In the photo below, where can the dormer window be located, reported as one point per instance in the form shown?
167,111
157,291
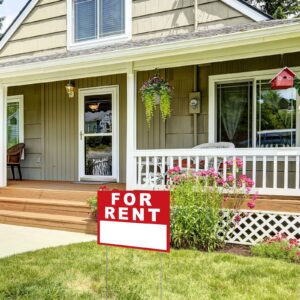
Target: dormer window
98,21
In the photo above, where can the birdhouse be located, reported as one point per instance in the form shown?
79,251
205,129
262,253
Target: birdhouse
283,80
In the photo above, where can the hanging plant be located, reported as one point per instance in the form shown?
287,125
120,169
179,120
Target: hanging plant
156,91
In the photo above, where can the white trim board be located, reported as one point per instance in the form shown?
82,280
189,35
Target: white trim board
245,9
17,22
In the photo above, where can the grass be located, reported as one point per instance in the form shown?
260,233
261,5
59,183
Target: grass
78,272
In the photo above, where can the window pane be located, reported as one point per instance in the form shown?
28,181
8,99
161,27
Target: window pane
85,18
234,113
98,114
276,116
13,124
98,155
112,16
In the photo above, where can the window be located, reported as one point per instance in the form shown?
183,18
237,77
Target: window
98,21
275,116
234,114
266,122
15,123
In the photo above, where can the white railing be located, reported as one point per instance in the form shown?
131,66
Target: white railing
275,171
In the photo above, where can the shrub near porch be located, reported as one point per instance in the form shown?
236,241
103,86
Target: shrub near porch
197,218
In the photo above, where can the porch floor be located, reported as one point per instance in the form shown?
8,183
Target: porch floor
62,185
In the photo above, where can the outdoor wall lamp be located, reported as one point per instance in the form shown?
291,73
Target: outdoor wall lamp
70,89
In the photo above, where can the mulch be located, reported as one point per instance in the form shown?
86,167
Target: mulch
236,249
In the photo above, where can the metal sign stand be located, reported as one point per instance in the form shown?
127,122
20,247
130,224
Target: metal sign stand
106,276
161,276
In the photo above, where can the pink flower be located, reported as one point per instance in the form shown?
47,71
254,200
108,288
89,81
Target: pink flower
294,242
237,218
255,196
220,181
230,178
251,204
103,187
229,163
298,253
226,198
239,163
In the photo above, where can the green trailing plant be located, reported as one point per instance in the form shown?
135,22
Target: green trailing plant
93,203
156,91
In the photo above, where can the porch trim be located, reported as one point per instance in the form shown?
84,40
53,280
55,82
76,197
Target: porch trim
3,136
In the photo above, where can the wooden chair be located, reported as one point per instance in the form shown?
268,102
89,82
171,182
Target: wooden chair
14,155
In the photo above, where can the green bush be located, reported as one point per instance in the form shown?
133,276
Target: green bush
197,198
196,219
278,247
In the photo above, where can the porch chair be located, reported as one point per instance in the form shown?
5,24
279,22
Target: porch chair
14,155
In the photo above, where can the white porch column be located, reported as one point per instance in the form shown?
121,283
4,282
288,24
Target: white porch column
3,157
131,166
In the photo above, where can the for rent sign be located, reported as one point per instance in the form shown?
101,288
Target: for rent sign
135,219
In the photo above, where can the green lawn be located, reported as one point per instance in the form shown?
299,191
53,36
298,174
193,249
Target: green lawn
78,272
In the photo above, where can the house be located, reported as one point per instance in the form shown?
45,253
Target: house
223,52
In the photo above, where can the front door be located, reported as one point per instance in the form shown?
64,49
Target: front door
98,134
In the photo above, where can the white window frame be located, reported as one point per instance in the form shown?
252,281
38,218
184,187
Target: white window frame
18,99
241,77
72,45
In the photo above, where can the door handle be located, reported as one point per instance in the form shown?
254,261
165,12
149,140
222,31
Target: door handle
81,135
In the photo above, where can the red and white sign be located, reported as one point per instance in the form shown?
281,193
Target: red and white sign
134,219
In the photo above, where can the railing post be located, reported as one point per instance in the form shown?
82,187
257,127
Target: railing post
3,142
131,162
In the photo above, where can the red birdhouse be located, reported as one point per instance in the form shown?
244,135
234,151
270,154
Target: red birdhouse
283,80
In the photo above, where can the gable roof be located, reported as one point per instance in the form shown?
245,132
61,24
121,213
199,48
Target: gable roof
239,5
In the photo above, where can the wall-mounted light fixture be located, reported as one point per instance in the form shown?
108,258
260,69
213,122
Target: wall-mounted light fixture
70,89
94,106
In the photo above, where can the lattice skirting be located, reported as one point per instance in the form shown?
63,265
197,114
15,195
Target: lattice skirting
254,226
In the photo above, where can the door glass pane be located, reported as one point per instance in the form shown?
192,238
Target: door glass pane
112,16
13,124
98,155
234,113
98,114
85,14
276,116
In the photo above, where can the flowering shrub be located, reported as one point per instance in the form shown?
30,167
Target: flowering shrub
197,198
93,201
279,247
153,91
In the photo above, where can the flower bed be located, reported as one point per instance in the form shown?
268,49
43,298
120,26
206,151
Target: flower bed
279,247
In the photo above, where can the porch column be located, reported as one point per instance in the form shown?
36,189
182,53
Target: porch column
131,166
3,152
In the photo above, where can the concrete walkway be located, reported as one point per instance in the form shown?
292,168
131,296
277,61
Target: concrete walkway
19,239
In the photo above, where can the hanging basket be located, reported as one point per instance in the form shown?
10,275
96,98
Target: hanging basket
156,91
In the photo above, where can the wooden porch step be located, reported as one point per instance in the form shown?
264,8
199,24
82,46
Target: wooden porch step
49,206
50,194
59,222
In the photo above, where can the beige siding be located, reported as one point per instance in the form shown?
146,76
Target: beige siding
154,18
44,31
179,128
51,128
32,165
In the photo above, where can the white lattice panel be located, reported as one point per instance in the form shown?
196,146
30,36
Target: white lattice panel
254,226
